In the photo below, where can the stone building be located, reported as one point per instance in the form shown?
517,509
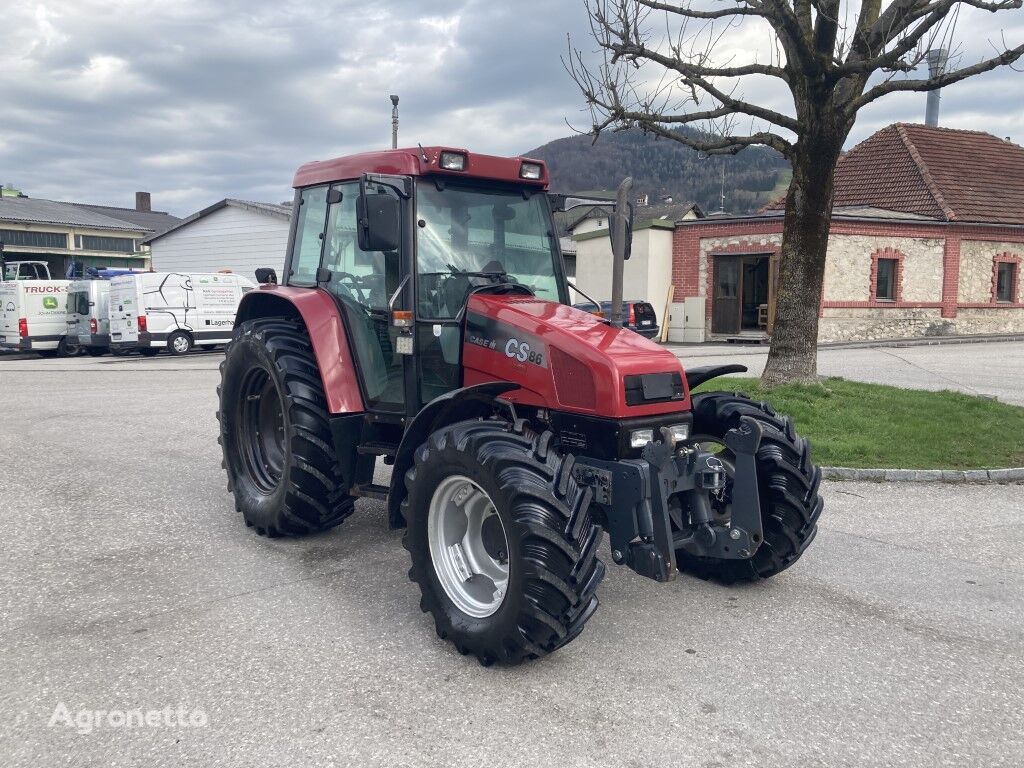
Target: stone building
927,239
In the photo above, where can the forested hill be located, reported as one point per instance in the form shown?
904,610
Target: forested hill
663,167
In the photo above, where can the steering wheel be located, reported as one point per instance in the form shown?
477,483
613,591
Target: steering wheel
355,286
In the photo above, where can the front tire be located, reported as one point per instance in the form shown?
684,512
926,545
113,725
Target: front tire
551,570
788,483
275,432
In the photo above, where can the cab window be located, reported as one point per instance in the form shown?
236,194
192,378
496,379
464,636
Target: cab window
309,236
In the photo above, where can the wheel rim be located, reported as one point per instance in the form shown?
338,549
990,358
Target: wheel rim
468,546
261,430
180,344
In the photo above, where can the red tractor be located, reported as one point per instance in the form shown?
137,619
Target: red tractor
424,318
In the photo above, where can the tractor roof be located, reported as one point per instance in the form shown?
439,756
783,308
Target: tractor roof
417,161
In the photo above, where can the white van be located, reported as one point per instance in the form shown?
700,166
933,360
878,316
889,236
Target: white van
34,316
175,311
88,315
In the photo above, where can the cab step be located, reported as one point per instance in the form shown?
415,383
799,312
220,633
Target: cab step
388,450
370,491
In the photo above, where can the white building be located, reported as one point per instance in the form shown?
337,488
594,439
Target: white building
644,277
232,235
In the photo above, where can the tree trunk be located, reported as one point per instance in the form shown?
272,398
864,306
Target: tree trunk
793,354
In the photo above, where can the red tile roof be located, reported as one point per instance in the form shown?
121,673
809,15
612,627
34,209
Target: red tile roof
941,173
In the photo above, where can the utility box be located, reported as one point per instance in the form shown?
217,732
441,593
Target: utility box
687,322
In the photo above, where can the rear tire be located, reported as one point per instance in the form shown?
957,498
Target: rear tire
788,489
275,432
179,343
68,348
551,558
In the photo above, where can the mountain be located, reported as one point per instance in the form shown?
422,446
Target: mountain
662,167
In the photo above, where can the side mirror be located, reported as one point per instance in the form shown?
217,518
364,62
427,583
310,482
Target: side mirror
265,275
380,227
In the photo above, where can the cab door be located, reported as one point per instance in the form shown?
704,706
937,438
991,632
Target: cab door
326,255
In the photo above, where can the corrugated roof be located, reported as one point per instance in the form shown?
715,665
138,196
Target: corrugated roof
30,210
944,174
152,221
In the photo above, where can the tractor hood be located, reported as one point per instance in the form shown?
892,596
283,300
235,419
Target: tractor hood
567,359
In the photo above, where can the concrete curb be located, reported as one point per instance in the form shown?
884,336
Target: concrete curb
1012,475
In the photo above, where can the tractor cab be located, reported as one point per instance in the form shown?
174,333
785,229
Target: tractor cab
423,321
403,243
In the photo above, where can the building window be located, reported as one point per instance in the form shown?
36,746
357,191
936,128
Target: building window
26,239
1006,278
885,281
886,276
569,264
97,243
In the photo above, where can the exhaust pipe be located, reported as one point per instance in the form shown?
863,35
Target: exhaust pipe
620,246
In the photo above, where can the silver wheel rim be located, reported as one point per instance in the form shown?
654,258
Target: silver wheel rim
474,580
180,344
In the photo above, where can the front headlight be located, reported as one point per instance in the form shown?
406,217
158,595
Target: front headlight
680,432
638,438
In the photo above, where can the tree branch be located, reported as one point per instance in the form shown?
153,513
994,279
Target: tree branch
697,75
940,81
684,10
727,144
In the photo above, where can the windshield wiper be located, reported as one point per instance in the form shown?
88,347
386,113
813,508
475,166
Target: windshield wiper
499,274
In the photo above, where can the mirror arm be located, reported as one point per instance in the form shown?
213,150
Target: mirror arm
397,293
586,296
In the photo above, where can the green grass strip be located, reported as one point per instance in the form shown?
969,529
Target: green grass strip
851,424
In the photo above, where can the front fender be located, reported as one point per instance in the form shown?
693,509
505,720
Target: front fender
457,405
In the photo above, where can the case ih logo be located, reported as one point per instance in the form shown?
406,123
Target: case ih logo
43,289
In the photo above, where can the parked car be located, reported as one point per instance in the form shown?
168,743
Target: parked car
150,311
638,316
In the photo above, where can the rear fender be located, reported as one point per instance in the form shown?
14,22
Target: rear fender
458,405
318,311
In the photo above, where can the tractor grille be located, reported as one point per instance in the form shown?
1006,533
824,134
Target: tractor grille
574,383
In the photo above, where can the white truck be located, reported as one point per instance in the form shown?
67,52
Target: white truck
88,315
34,317
175,311
26,270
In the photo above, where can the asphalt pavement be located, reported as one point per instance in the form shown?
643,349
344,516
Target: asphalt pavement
129,583
991,369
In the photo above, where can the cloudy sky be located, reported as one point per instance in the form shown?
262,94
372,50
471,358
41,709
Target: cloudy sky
197,100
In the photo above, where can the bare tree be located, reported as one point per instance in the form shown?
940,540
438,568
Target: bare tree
667,64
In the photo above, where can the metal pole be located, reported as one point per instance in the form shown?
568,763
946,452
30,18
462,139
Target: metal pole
619,234
937,58
394,121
